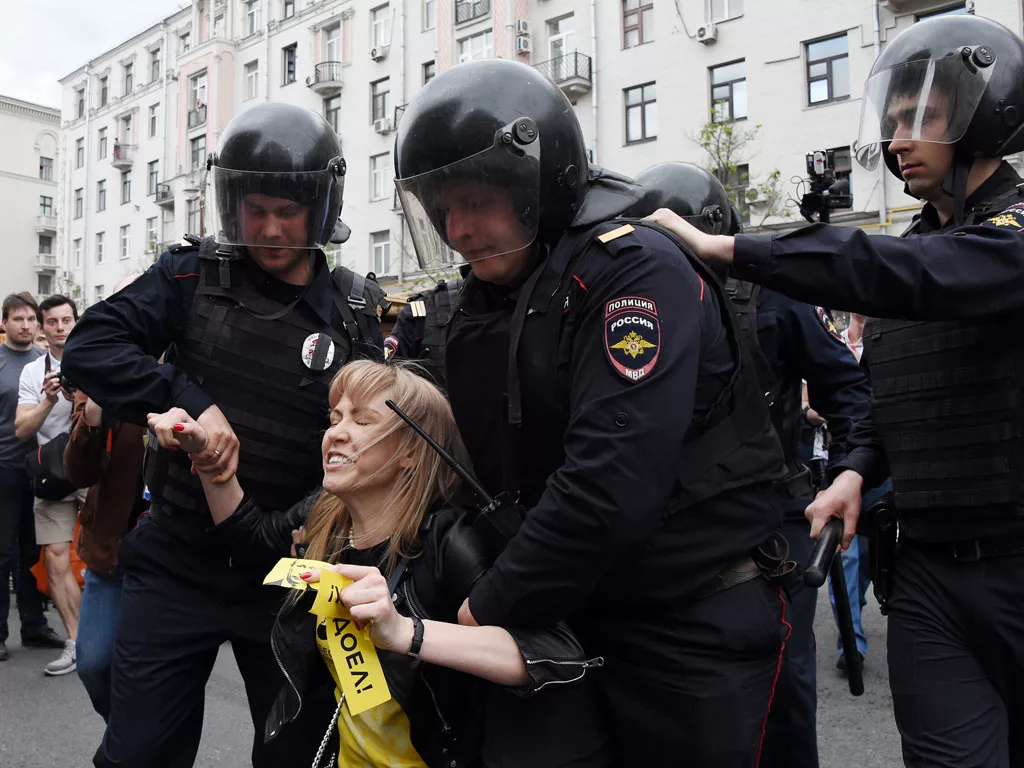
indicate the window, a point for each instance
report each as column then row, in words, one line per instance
column 380, row 99
column 129, row 78
column 125, row 241
column 45, row 205
column 100, row 293
column 288, row 64
column 46, row 168
column 828, row 70
column 380, row 26
column 154, row 65
column 726, row 9
column 78, row 203
column 46, row 244
column 152, row 236
column 80, row 97
column 218, row 25
column 126, row 187
column 154, row 119
column 637, row 22
column 252, row 79
column 289, row 8
column 152, row 177
column 729, row 92
column 184, row 42
column 332, row 108
column 99, row 247
column 101, row 195
column 641, row 113
column 101, row 141
column 956, row 10
column 198, row 149
column 381, row 248
column 197, row 91
column 467, row 10
column 380, row 180
column 192, row 223
column 561, row 43
column 126, row 129
column 429, row 71
column 429, row 14
column 480, row 46
column 79, row 152
column 104, row 91
column 332, row 43
column 76, row 249
column 252, row 16
column 45, row 284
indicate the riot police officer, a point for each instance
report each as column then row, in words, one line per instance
column 789, row 342
column 593, row 369
column 254, row 326
column 421, row 327
column 943, row 104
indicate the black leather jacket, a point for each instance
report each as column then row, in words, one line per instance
column 456, row 719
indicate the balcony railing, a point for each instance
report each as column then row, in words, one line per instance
column 197, row 116
column 326, row 78
column 46, row 223
column 45, row 261
column 467, row 10
column 164, row 195
column 123, row 155
column 570, row 72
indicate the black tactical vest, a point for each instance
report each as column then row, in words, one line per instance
column 438, row 306
column 268, row 367
column 948, row 404
column 731, row 446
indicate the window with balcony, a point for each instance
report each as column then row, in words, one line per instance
column 101, row 196
column 126, row 130
column 46, row 244
column 729, row 92
column 637, row 22
column 332, row 43
column 429, row 14
column 641, row 113
column 380, row 252
column 45, row 205
column 722, row 10
column 479, row 46
column 197, row 148
column 125, row 241
column 429, row 71
column 288, row 56
column 380, row 27
column 252, row 16
column 101, row 142
column 80, row 101
column 152, row 236
column 470, row 10
column 154, row 119
column 45, row 284
column 46, row 168
column 289, row 8
column 380, row 99
column 154, row 66
column 126, row 187
column 104, row 91
column 152, row 176
column 332, row 108
column 129, row 78
column 76, row 251
column 197, row 91
column 561, row 37
column 184, row 42
column 380, row 176
column 828, row 70
column 193, row 224
column 79, row 152
column 79, row 203
column 99, row 247
column 252, row 80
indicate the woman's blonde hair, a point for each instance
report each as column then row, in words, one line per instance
column 329, row 526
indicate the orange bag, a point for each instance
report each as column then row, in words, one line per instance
column 77, row 566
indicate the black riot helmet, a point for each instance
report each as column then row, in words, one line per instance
column 479, row 134
column 687, row 190
column 279, row 151
column 950, row 80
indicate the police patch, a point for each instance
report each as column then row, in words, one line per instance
column 826, row 320
column 632, row 336
column 1012, row 217
column 390, row 347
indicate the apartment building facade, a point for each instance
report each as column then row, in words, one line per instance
column 644, row 76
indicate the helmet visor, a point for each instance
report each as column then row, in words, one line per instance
column 925, row 100
column 482, row 206
column 274, row 210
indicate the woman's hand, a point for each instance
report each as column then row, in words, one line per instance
column 175, row 429
column 369, row 602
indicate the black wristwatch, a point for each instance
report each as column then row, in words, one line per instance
column 417, row 637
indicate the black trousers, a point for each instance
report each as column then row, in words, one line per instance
column 693, row 687
column 18, row 552
column 179, row 603
column 791, row 737
column 956, row 659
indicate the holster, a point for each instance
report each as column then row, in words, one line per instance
column 878, row 523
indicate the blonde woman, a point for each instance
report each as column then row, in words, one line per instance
column 385, row 518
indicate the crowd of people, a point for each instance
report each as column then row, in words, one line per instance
column 571, row 493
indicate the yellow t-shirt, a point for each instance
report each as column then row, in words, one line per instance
column 378, row 737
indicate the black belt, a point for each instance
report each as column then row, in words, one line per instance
column 740, row 572
column 971, row 550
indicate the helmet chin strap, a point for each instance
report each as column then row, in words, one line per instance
column 955, row 184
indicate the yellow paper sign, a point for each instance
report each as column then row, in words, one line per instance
column 328, row 598
column 356, row 665
column 286, row 573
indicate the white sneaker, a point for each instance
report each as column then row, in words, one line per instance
column 64, row 663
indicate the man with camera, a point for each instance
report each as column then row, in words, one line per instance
column 44, row 413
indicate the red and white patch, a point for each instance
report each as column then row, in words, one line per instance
column 632, row 336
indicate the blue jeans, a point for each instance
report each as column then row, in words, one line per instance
column 97, row 624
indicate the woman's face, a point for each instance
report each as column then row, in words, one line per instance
column 356, row 460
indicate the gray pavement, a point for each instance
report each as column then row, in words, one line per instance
column 50, row 722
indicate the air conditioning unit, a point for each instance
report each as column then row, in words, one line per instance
column 708, row 34
column 378, row 53
column 383, row 125
column 523, row 45
column 522, row 27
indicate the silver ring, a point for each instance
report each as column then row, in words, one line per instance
column 216, row 453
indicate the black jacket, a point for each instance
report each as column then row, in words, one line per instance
column 456, row 719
